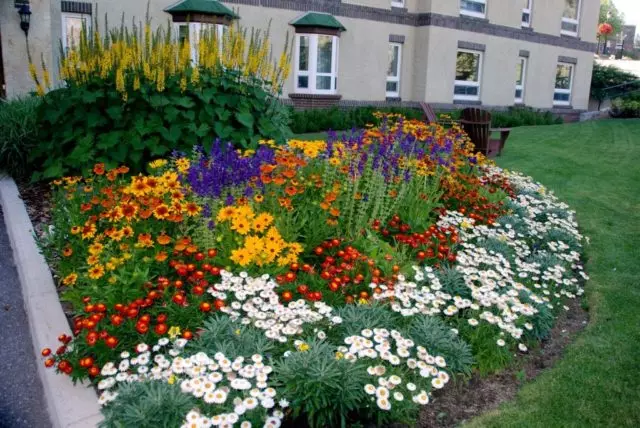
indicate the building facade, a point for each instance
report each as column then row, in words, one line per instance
column 494, row 53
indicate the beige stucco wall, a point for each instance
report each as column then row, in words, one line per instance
column 498, row 73
column 45, row 25
column 428, row 54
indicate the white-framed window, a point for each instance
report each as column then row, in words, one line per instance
column 468, row 75
column 192, row 31
column 570, row 18
column 521, row 77
column 526, row 13
column 393, row 72
column 397, row 3
column 72, row 28
column 316, row 64
column 475, row 8
column 564, row 82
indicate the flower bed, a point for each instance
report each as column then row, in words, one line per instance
column 320, row 283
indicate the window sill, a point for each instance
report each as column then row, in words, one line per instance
column 569, row 36
column 474, row 18
column 563, row 106
column 528, row 29
column 468, row 102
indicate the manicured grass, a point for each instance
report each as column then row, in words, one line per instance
column 595, row 168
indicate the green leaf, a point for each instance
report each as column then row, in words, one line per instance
column 157, row 100
column 109, row 140
column 171, row 113
column 53, row 171
column 172, row 134
column 89, row 97
column 245, row 118
column 115, row 112
column 222, row 131
column 185, row 102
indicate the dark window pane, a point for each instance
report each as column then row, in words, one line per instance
column 325, row 53
column 323, row 82
column 518, row 93
column 568, row 26
column 472, row 6
column 392, row 86
column 560, row 96
column 303, row 81
column 303, row 58
column 465, row 90
column 563, row 77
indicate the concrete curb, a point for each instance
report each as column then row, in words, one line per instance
column 68, row 405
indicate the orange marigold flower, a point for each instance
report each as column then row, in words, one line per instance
column 112, row 175
column 279, row 180
column 138, row 186
column 192, row 209
column 161, row 256
column 325, row 206
column 123, row 169
column 161, row 212
column 75, row 230
column 127, row 232
column 163, row 239
column 145, row 240
column 70, row 279
column 67, row 251
column 96, row 271
column 128, row 210
column 98, row 168
column 291, row 190
column 92, row 260
column 289, row 173
column 334, row 212
column 88, row 231
column 258, row 198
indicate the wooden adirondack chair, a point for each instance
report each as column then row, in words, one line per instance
column 477, row 124
column 431, row 116
column 429, row 113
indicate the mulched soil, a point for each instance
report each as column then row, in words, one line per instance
column 37, row 198
column 459, row 401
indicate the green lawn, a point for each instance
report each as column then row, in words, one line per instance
column 595, row 167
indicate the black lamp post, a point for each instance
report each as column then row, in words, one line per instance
column 25, row 18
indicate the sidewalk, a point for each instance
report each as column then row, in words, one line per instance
column 22, row 401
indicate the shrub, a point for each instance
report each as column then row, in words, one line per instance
column 142, row 98
column 437, row 337
column 148, row 404
column 318, row 120
column 627, row 107
column 606, row 77
column 319, row 386
column 18, row 134
column 522, row 116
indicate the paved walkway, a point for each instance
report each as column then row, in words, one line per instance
column 22, row 402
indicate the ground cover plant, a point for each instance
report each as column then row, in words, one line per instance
column 132, row 95
column 323, row 283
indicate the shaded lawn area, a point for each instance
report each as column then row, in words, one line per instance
column 595, row 168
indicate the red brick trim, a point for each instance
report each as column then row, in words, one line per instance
column 307, row 101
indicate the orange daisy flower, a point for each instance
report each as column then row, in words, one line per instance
column 161, row 256
column 161, row 212
column 98, row 169
column 192, row 209
column 67, row 251
column 163, row 239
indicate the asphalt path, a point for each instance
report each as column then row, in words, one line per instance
column 22, row 402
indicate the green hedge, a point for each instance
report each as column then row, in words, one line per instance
column 627, row 107
column 320, row 120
